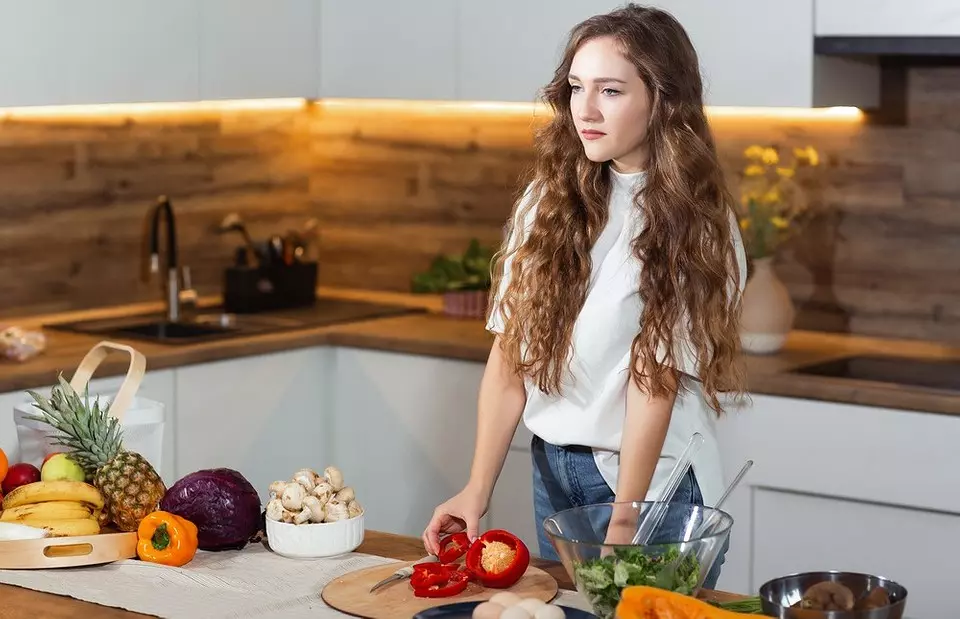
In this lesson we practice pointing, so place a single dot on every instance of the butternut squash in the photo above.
(640, 602)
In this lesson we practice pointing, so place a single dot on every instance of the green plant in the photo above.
(449, 272)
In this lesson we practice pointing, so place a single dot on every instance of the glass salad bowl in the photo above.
(594, 545)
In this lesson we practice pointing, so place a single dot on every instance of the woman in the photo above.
(616, 296)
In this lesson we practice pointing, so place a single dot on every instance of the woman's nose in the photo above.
(588, 110)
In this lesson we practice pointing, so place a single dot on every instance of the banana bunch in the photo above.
(62, 508)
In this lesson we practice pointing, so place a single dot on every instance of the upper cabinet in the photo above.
(122, 51)
(387, 49)
(252, 49)
(912, 18)
(512, 59)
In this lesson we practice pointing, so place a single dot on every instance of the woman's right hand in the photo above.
(460, 513)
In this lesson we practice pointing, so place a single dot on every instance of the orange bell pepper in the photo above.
(167, 539)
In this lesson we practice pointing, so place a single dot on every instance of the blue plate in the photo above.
(464, 610)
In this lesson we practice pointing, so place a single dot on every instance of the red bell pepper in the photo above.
(452, 547)
(498, 559)
(434, 580)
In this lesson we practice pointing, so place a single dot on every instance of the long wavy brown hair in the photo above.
(690, 270)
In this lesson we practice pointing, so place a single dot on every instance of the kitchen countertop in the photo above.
(430, 333)
(19, 603)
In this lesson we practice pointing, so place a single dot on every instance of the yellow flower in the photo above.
(786, 172)
(779, 222)
(770, 156)
(753, 152)
(744, 223)
(807, 154)
(754, 169)
(772, 196)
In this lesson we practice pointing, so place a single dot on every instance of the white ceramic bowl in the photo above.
(314, 540)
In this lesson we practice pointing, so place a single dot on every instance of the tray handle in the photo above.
(135, 372)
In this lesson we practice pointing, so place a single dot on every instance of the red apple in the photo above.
(20, 474)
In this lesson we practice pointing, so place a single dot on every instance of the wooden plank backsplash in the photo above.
(392, 187)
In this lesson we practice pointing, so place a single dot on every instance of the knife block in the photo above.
(247, 289)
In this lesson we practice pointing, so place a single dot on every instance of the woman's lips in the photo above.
(592, 134)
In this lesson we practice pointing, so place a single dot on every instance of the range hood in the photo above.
(936, 48)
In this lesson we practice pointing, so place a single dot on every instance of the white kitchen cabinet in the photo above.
(253, 49)
(129, 50)
(511, 59)
(32, 58)
(156, 385)
(265, 416)
(403, 432)
(800, 533)
(917, 18)
(388, 50)
(849, 464)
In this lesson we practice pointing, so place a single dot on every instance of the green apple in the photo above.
(61, 468)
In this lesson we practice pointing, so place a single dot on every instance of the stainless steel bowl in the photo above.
(778, 595)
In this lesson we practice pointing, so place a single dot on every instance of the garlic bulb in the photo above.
(315, 507)
(346, 494)
(323, 491)
(334, 477)
(305, 478)
(334, 510)
(292, 497)
(275, 509)
(354, 509)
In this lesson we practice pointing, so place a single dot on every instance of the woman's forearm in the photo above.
(499, 409)
(644, 431)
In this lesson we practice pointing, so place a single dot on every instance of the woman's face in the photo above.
(610, 105)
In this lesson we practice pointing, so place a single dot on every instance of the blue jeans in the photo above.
(567, 477)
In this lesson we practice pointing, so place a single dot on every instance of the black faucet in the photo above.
(177, 293)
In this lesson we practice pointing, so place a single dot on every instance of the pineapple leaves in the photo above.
(93, 436)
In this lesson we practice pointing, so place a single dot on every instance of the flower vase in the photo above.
(466, 303)
(768, 310)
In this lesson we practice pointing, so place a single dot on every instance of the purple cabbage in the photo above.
(221, 502)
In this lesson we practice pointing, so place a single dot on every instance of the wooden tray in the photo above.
(351, 592)
(55, 552)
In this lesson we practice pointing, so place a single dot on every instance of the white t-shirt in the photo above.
(590, 410)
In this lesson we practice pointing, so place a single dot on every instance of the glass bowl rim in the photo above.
(724, 530)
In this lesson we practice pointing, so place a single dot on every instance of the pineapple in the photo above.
(130, 486)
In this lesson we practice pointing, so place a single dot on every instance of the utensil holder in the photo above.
(269, 287)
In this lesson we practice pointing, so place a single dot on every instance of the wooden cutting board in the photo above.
(351, 592)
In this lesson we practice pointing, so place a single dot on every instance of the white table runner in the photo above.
(253, 582)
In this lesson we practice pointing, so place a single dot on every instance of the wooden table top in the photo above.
(19, 603)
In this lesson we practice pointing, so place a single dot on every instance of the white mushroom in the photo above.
(346, 494)
(305, 478)
(335, 510)
(275, 509)
(292, 496)
(313, 504)
(354, 509)
(303, 516)
(276, 488)
(334, 477)
(323, 491)
(288, 516)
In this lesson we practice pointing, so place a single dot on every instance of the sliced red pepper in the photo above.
(454, 582)
(452, 547)
(427, 574)
(498, 558)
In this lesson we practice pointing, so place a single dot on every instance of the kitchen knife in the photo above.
(402, 573)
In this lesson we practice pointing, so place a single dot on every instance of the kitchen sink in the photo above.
(907, 371)
(213, 323)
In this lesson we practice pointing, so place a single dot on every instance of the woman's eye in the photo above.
(574, 87)
(610, 92)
